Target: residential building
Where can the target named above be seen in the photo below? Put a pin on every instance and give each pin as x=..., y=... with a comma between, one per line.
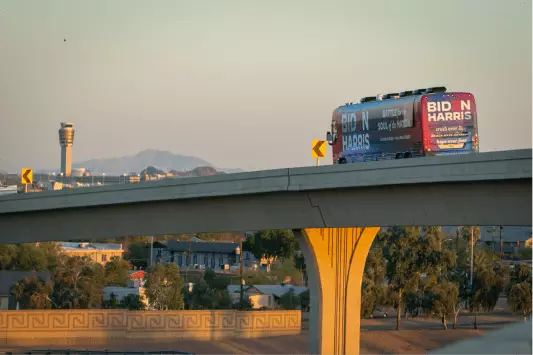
x=263, y=296
x=98, y=252
x=218, y=256
x=8, y=279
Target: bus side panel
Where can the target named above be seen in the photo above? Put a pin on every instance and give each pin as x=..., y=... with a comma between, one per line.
x=393, y=128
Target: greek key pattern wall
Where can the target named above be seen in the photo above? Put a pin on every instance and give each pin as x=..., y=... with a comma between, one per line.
x=62, y=323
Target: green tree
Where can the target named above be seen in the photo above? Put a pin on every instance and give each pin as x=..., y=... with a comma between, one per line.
x=489, y=276
x=525, y=253
x=373, y=292
x=139, y=253
x=51, y=251
x=133, y=302
x=78, y=283
x=404, y=265
x=8, y=255
x=521, y=273
x=164, y=287
x=286, y=270
x=30, y=257
x=216, y=282
x=290, y=300
x=271, y=244
x=305, y=300
x=33, y=293
x=117, y=272
x=409, y=255
x=465, y=232
x=444, y=300
x=519, y=299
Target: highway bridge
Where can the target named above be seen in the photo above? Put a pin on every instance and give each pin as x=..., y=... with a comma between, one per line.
x=335, y=211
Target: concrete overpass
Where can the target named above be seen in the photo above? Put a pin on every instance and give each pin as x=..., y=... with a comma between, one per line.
x=319, y=203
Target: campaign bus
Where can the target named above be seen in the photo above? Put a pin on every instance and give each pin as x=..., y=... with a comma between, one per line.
x=417, y=123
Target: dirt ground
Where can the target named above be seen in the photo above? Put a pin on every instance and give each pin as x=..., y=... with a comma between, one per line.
x=378, y=336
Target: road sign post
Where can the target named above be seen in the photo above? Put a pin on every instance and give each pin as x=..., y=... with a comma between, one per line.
x=318, y=150
x=26, y=178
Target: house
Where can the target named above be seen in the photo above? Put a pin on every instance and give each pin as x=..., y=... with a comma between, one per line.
x=137, y=278
x=98, y=252
x=8, y=279
x=218, y=256
x=513, y=239
x=263, y=296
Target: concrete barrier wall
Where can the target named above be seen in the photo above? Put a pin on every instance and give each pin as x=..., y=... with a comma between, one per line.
x=21, y=326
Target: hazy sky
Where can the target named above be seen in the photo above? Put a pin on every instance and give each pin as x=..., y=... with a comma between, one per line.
x=246, y=84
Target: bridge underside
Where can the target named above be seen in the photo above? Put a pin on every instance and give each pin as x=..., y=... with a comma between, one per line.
x=460, y=203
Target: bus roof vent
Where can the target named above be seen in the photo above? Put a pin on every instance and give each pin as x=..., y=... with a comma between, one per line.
x=368, y=99
x=393, y=95
x=418, y=91
x=435, y=90
x=406, y=93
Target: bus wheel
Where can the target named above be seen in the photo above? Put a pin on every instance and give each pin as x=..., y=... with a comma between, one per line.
x=398, y=156
x=408, y=155
x=342, y=161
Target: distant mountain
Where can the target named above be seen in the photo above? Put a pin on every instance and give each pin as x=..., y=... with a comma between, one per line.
x=161, y=160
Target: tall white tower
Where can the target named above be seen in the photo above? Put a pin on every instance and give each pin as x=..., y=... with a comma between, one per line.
x=66, y=140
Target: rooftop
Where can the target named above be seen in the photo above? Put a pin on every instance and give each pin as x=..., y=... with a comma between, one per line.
x=90, y=246
x=201, y=246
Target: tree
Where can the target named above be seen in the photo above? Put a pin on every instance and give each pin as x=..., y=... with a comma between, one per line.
x=525, y=253
x=209, y=293
x=51, y=251
x=271, y=244
x=290, y=300
x=117, y=272
x=133, y=302
x=489, y=276
x=373, y=291
x=465, y=232
x=444, y=300
x=404, y=265
x=30, y=257
x=299, y=264
x=521, y=273
x=139, y=253
x=305, y=301
x=78, y=283
x=520, y=299
x=164, y=287
x=286, y=270
x=8, y=254
x=33, y=293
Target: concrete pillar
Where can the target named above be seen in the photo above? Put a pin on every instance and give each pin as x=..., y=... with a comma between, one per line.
x=335, y=260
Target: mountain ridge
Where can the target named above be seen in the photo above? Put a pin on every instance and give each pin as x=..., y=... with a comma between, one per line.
x=161, y=159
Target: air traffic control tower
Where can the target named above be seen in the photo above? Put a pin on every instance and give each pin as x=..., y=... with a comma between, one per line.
x=66, y=140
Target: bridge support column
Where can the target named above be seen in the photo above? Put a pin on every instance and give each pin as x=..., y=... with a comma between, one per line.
x=335, y=259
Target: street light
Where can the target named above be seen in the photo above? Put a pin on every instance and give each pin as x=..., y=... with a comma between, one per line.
x=238, y=251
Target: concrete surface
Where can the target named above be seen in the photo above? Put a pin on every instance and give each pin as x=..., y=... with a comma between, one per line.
x=484, y=189
x=513, y=339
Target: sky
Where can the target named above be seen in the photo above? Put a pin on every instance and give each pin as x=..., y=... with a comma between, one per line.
x=245, y=84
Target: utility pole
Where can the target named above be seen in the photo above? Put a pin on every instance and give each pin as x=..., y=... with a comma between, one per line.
x=501, y=243
x=188, y=262
x=471, y=258
x=240, y=271
x=151, y=251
